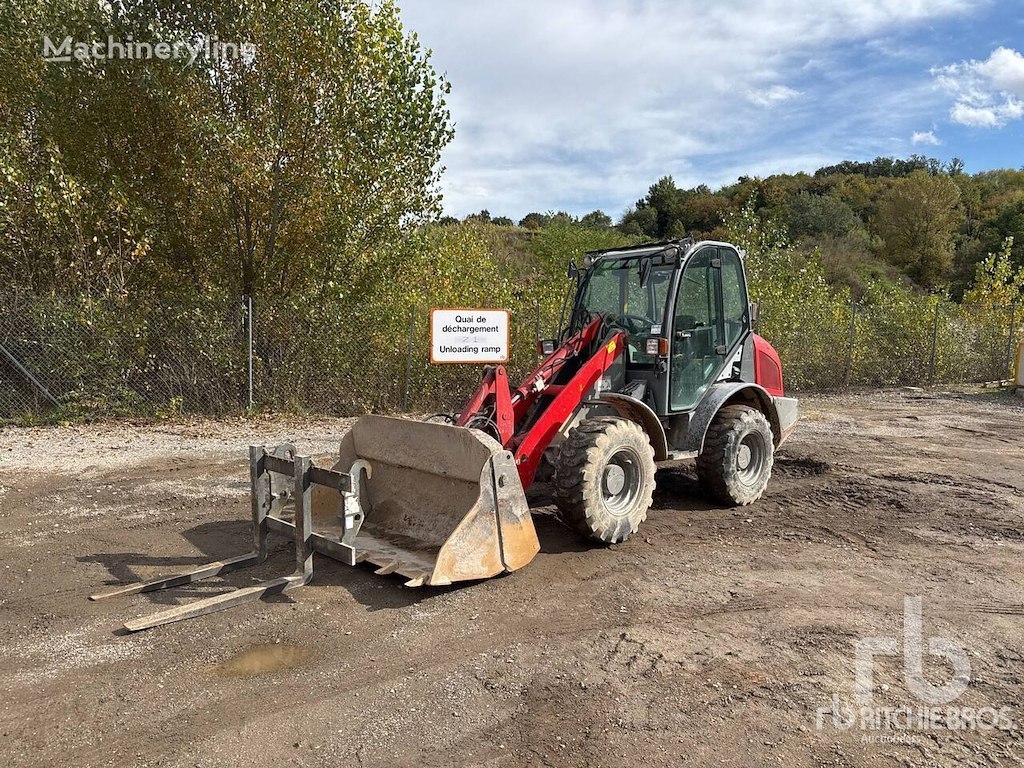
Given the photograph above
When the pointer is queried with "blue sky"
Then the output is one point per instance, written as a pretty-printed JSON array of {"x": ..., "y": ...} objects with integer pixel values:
[{"x": 582, "y": 104}]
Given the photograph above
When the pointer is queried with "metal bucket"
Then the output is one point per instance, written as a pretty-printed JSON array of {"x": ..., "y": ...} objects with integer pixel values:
[{"x": 441, "y": 503}]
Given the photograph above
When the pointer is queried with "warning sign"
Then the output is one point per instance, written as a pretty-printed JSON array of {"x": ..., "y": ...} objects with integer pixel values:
[{"x": 469, "y": 335}]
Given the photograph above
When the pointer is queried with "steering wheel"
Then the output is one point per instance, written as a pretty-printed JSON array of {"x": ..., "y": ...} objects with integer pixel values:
[{"x": 634, "y": 323}]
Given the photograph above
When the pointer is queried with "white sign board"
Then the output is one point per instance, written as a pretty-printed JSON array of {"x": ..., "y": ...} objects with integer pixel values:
[{"x": 469, "y": 335}]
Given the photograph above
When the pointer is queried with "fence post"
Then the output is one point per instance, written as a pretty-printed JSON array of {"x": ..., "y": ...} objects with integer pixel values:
[
  {"x": 935, "y": 339},
  {"x": 848, "y": 376},
  {"x": 408, "y": 359},
  {"x": 1013, "y": 333},
  {"x": 248, "y": 322}
]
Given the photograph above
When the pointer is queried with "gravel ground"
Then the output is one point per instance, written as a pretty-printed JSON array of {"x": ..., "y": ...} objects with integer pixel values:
[{"x": 713, "y": 637}]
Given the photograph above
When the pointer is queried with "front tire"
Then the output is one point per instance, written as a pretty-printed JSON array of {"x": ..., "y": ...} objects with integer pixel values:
[
  {"x": 604, "y": 478},
  {"x": 736, "y": 461}
]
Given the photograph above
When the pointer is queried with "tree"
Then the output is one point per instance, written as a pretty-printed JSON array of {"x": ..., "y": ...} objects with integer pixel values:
[
  {"x": 1007, "y": 224},
  {"x": 659, "y": 214},
  {"x": 641, "y": 221},
  {"x": 534, "y": 220},
  {"x": 596, "y": 220},
  {"x": 273, "y": 172},
  {"x": 819, "y": 215},
  {"x": 916, "y": 220},
  {"x": 883, "y": 167},
  {"x": 327, "y": 143},
  {"x": 667, "y": 201},
  {"x": 997, "y": 282},
  {"x": 704, "y": 212},
  {"x": 484, "y": 217},
  {"x": 90, "y": 156},
  {"x": 560, "y": 219}
]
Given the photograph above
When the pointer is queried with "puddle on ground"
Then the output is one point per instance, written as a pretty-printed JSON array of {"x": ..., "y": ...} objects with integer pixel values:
[{"x": 261, "y": 659}]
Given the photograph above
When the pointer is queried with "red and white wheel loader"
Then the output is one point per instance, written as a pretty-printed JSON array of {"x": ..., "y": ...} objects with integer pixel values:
[{"x": 657, "y": 362}]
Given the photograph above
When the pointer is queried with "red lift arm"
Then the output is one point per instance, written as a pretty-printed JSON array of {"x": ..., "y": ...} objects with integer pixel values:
[{"x": 510, "y": 407}]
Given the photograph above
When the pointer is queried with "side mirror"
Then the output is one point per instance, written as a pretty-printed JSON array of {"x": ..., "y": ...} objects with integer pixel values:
[
  {"x": 754, "y": 311},
  {"x": 572, "y": 270}
]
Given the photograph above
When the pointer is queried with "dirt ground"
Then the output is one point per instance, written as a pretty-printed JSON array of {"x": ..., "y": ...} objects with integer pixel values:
[{"x": 713, "y": 637}]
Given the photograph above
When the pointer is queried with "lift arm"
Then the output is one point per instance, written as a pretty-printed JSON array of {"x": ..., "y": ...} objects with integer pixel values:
[{"x": 510, "y": 408}]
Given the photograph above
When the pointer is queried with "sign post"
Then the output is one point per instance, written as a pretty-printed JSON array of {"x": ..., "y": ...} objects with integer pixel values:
[{"x": 469, "y": 336}]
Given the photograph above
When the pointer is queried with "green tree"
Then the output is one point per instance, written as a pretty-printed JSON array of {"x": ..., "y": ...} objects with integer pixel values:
[
  {"x": 916, "y": 220},
  {"x": 597, "y": 219},
  {"x": 1008, "y": 223},
  {"x": 326, "y": 145},
  {"x": 90, "y": 154},
  {"x": 534, "y": 220},
  {"x": 276, "y": 172},
  {"x": 658, "y": 215},
  {"x": 641, "y": 222},
  {"x": 819, "y": 215},
  {"x": 997, "y": 282},
  {"x": 704, "y": 212},
  {"x": 560, "y": 219}
]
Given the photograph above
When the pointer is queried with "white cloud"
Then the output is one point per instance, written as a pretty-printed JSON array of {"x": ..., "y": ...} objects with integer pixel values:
[
  {"x": 987, "y": 94},
  {"x": 925, "y": 137},
  {"x": 1005, "y": 68},
  {"x": 582, "y": 104},
  {"x": 775, "y": 94},
  {"x": 995, "y": 116}
]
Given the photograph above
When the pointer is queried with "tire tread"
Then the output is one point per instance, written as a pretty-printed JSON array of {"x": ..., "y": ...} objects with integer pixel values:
[
  {"x": 576, "y": 465},
  {"x": 711, "y": 463}
]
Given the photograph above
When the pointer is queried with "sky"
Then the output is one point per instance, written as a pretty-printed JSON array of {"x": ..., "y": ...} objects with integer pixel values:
[{"x": 579, "y": 105}]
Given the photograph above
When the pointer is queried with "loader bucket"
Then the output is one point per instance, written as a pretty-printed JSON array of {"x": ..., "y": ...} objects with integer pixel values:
[{"x": 442, "y": 503}]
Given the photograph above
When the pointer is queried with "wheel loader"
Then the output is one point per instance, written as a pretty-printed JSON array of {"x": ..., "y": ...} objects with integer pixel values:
[{"x": 657, "y": 361}]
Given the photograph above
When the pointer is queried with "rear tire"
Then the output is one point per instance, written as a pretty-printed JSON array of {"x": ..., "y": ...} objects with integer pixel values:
[
  {"x": 604, "y": 478},
  {"x": 736, "y": 462}
]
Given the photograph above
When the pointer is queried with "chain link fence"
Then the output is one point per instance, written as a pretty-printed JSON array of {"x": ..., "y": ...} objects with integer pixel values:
[
  {"x": 78, "y": 357},
  {"x": 63, "y": 358},
  {"x": 858, "y": 346}
]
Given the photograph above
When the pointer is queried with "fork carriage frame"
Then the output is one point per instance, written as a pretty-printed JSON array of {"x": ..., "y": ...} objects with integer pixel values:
[{"x": 282, "y": 460}]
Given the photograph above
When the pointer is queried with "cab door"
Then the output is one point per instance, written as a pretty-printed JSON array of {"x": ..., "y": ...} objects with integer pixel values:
[{"x": 708, "y": 323}]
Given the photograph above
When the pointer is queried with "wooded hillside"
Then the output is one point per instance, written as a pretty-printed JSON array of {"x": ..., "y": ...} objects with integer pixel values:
[{"x": 918, "y": 221}]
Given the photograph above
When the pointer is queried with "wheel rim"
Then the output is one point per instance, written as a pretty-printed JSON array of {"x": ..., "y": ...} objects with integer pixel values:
[
  {"x": 620, "y": 482},
  {"x": 750, "y": 458}
]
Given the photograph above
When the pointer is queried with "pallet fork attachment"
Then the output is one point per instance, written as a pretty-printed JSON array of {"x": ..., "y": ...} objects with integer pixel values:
[{"x": 305, "y": 475}]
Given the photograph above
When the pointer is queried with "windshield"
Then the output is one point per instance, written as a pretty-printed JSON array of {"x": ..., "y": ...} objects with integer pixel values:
[{"x": 613, "y": 289}]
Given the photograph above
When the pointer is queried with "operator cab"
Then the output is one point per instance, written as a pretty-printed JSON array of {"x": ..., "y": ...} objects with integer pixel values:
[{"x": 684, "y": 308}]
